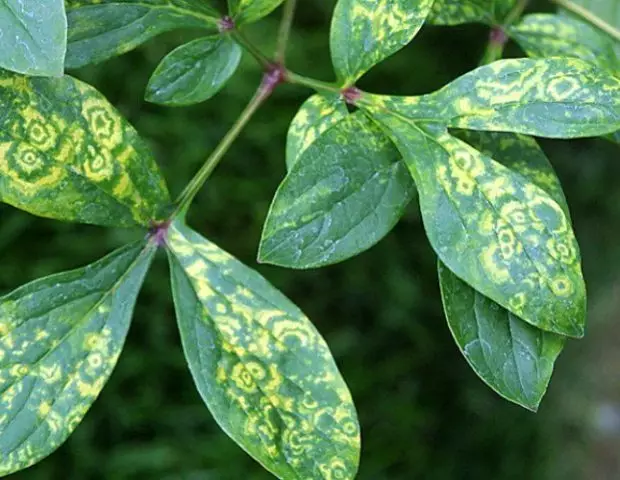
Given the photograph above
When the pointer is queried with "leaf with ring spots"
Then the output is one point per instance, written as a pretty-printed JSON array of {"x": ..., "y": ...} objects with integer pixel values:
[
  {"x": 494, "y": 228},
  {"x": 102, "y": 29},
  {"x": 366, "y": 32},
  {"x": 67, "y": 154},
  {"x": 316, "y": 115},
  {"x": 551, "y": 97},
  {"x": 511, "y": 356},
  {"x": 456, "y": 12},
  {"x": 344, "y": 194},
  {"x": 34, "y": 36},
  {"x": 548, "y": 35},
  {"x": 263, "y": 370},
  {"x": 248, "y": 11},
  {"x": 60, "y": 338}
]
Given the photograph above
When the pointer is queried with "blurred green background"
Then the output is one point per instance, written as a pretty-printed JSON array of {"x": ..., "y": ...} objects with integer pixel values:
[{"x": 424, "y": 413}]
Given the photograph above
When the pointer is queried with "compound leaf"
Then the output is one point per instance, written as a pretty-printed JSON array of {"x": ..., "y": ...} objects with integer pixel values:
[
  {"x": 247, "y": 11},
  {"x": 66, "y": 153},
  {"x": 456, "y": 12},
  {"x": 554, "y": 97},
  {"x": 60, "y": 338},
  {"x": 514, "y": 358},
  {"x": 344, "y": 194},
  {"x": 365, "y": 32},
  {"x": 495, "y": 229},
  {"x": 316, "y": 115},
  {"x": 194, "y": 72},
  {"x": 261, "y": 367},
  {"x": 547, "y": 35},
  {"x": 34, "y": 36},
  {"x": 99, "y": 30}
]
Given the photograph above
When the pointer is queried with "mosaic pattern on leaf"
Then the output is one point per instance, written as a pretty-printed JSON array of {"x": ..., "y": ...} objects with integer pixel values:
[
  {"x": 366, "y": 32},
  {"x": 66, "y": 153},
  {"x": 495, "y": 229},
  {"x": 246, "y": 11},
  {"x": 261, "y": 367},
  {"x": 344, "y": 194},
  {"x": 456, "y": 12},
  {"x": 554, "y": 97},
  {"x": 99, "y": 30},
  {"x": 60, "y": 338},
  {"x": 316, "y": 115}
]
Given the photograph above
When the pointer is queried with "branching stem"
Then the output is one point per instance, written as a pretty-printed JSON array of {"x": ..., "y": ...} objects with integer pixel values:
[
  {"x": 285, "y": 30},
  {"x": 270, "y": 80},
  {"x": 589, "y": 17}
]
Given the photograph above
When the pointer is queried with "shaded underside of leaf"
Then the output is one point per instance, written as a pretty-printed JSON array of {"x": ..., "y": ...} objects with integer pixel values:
[
  {"x": 60, "y": 338},
  {"x": 261, "y": 367},
  {"x": 67, "y": 154},
  {"x": 33, "y": 36}
]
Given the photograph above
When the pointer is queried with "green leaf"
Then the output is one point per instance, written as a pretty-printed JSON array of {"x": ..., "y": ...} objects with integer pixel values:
[
  {"x": 261, "y": 367},
  {"x": 606, "y": 10},
  {"x": 247, "y": 11},
  {"x": 316, "y": 115},
  {"x": 34, "y": 36},
  {"x": 66, "y": 153},
  {"x": 496, "y": 230},
  {"x": 344, "y": 194},
  {"x": 60, "y": 338},
  {"x": 512, "y": 357},
  {"x": 554, "y": 97},
  {"x": 194, "y": 72},
  {"x": 546, "y": 35},
  {"x": 456, "y": 12},
  {"x": 101, "y": 30},
  {"x": 366, "y": 32}
]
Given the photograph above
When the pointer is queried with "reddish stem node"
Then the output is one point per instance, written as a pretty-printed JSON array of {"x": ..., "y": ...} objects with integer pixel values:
[
  {"x": 351, "y": 95},
  {"x": 498, "y": 36},
  {"x": 274, "y": 76},
  {"x": 158, "y": 233},
  {"x": 226, "y": 24}
]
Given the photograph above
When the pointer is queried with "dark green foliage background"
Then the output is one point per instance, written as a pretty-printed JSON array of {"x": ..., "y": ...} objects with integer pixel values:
[{"x": 424, "y": 413}]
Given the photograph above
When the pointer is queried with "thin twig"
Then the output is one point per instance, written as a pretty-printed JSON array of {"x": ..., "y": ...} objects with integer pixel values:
[{"x": 285, "y": 30}]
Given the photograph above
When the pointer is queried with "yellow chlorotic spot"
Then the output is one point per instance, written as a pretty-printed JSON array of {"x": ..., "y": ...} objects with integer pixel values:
[
  {"x": 243, "y": 379},
  {"x": 496, "y": 273},
  {"x": 517, "y": 302},
  {"x": 44, "y": 409},
  {"x": 562, "y": 286}
]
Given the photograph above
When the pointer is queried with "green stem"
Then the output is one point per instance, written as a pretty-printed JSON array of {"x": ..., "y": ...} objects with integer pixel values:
[
  {"x": 285, "y": 30},
  {"x": 318, "y": 85},
  {"x": 589, "y": 17},
  {"x": 515, "y": 13},
  {"x": 188, "y": 195},
  {"x": 260, "y": 57}
]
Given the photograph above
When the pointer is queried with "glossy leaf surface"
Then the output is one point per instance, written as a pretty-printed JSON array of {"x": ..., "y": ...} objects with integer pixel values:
[
  {"x": 316, "y": 115},
  {"x": 546, "y": 35},
  {"x": 246, "y": 11},
  {"x": 194, "y": 72},
  {"x": 554, "y": 97},
  {"x": 366, "y": 32},
  {"x": 60, "y": 338},
  {"x": 495, "y": 229},
  {"x": 33, "y": 36},
  {"x": 261, "y": 367},
  {"x": 512, "y": 357},
  {"x": 344, "y": 194},
  {"x": 66, "y": 153},
  {"x": 606, "y": 10},
  {"x": 99, "y": 30},
  {"x": 455, "y": 12}
]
